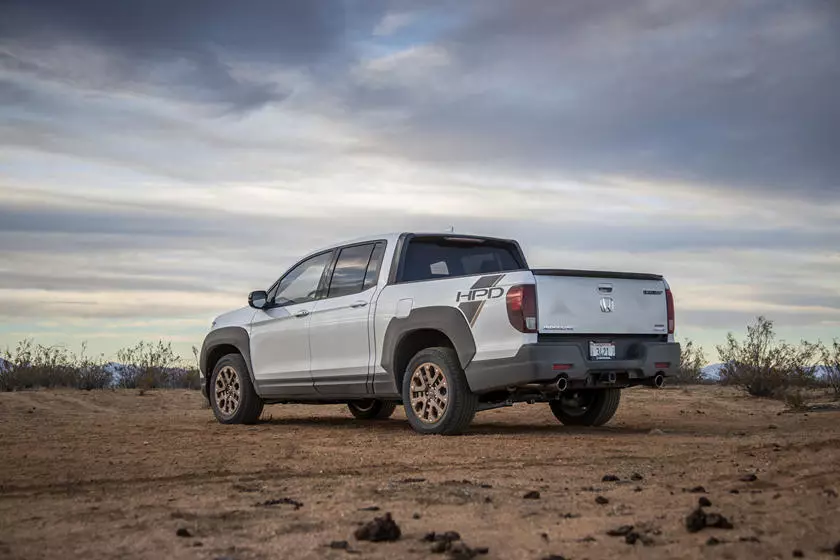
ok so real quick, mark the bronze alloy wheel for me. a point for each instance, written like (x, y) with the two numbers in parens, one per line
(429, 393)
(228, 391)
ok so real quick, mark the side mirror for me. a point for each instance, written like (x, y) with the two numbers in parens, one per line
(258, 299)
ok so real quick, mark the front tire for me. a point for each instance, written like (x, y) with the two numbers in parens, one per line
(436, 396)
(594, 407)
(372, 409)
(232, 395)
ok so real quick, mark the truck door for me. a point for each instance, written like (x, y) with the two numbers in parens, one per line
(339, 328)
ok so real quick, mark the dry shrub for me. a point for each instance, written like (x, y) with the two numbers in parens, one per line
(831, 367)
(143, 366)
(765, 367)
(692, 360)
(32, 366)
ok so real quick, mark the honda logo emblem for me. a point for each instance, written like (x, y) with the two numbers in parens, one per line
(607, 304)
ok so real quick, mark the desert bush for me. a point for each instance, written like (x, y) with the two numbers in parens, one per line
(830, 357)
(765, 367)
(34, 365)
(146, 365)
(692, 360)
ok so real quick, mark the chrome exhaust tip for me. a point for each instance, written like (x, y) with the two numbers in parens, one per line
(562, 384)
(659, 381)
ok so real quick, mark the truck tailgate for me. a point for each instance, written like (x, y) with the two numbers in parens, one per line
(594, 302)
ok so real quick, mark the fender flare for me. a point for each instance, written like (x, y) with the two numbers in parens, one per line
(448, 320)
(232, 336)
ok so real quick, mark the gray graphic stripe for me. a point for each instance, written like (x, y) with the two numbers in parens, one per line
(472, 309)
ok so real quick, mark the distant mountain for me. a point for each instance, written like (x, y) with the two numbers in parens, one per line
(712, 372)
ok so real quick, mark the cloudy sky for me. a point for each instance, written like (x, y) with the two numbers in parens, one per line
(160, 159)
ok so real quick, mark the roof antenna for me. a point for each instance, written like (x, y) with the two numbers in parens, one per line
(451, 229)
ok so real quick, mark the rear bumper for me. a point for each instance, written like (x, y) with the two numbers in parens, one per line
(535, 363)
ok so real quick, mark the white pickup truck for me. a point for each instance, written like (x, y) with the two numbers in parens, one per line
(445, 324)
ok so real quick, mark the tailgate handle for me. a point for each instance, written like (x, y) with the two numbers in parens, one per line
(605, 288)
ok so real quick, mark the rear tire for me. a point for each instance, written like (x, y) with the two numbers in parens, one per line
(586, 408)
(372, 409)
(232, 395)
(436, 396)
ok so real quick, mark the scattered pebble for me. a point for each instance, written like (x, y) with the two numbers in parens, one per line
(601, 500)
(734, 491)
(749, 478)
(698, 520)
(631, 538)
(532, 495)
(698, 490)
(554, 557)
(442, 537)
(268, 503)
(378, 530)
(713, 541)
(183, 532)
(798, 554)
(411, 480)
(416, 516)
(656, 432)
(450, 542)
(704, 502)
(339, 545)
(588, 539)
(620, 531)
(637, 489)
(369, 508)
(636, 477)
(750, 539)
(610, 478)
(718, 521)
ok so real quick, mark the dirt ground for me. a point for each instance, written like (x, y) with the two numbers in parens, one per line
(114, 474)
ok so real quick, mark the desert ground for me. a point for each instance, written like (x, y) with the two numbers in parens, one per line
(116, 474)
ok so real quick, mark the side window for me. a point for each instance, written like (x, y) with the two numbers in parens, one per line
(350, 268)
(372, 274)
(301, 283)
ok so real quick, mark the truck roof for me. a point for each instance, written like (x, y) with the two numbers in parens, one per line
(394, 236)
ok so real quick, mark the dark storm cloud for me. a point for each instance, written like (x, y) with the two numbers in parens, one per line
(182, 47)
(735, 94)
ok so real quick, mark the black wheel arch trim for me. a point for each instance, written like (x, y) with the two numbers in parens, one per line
(448, 320)
(227, 336)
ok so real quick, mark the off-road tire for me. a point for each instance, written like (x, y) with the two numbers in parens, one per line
(250, 405)
(461, 404)
(601, 409)
(372, 410)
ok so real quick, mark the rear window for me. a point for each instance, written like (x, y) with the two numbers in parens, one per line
(432, 258)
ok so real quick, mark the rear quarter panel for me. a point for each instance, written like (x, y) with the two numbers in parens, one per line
(480, 298)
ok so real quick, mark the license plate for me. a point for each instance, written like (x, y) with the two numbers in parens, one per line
(601, 350)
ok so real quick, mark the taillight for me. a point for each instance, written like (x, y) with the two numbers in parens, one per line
(522, 308)
(669, 297)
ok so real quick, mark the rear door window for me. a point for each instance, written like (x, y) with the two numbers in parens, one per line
(350, 270)
(375, 265)
(431, 258)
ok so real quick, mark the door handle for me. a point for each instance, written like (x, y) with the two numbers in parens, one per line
(302, 313)
(358, 304)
